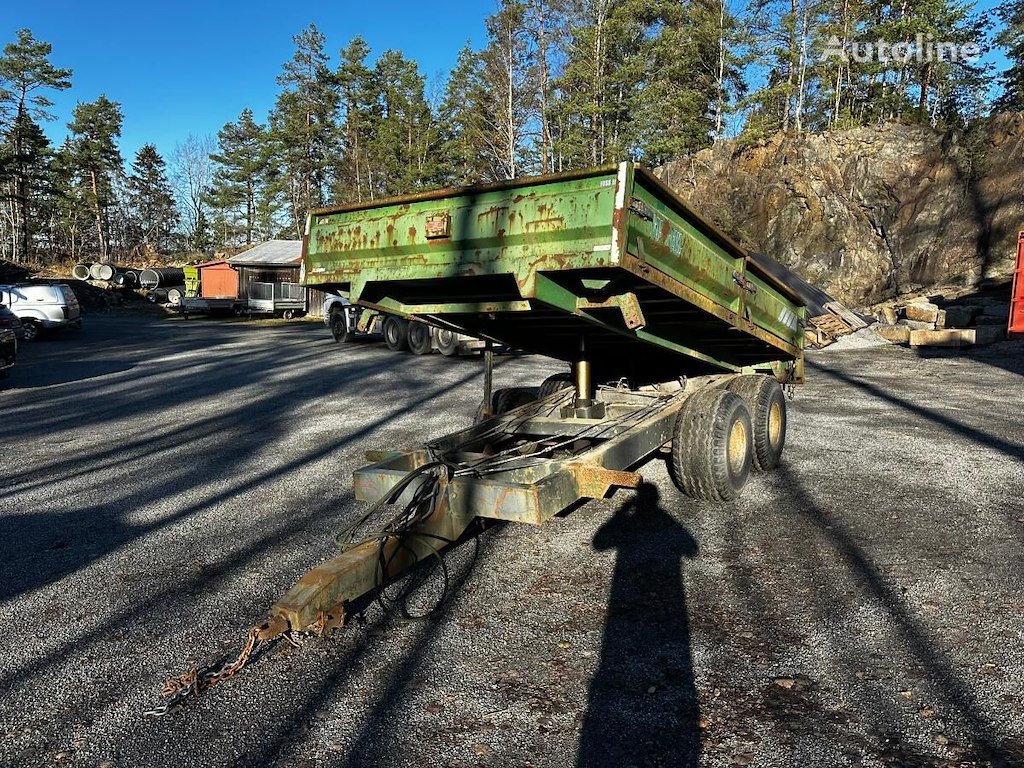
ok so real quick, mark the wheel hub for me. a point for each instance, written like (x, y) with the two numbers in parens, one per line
(775, 423)
(737, 451)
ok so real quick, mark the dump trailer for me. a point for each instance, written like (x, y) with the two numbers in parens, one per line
(349, 322)
(676, 345)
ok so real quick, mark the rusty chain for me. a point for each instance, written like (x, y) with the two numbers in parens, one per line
(178, 690)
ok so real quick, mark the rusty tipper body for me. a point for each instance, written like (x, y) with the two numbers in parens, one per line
(609, 254)
(676, 343)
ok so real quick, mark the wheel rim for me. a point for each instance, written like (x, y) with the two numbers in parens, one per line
(30, 331)
(775, 423)
(737, 450)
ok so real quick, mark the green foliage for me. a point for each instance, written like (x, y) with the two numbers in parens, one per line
(356, 90)
(25, 75)
(302, 125)
(241, 184)
(467, 126)
(827, 71)
(95, 129)
(404, 146)
(152, 201)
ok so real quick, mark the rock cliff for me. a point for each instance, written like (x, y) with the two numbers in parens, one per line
(870, 213)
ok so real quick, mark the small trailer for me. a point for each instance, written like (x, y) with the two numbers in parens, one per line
(676, 345)
(210, 288)
(285, 300)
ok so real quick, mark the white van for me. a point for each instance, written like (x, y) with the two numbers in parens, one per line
(42, 307)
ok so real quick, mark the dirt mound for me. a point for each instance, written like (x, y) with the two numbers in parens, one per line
(13, 273)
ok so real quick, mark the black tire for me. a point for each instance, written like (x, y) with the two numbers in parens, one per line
(711, 446)
(396, 334)
(555, 383)
(505, 400)
(447, 342)
(339, 325)
(767, 407)
(30, 329)
(288, 314)
(420, 342)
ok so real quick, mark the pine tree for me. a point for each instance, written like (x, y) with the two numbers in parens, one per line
(357, 101)
(606, 53)
(784, 31)
(241, 174)
(303, 124)
(25, 181)
(95, 129)
(154, 212)
(469, 150)
(691, 76)
(583, 110)
(67, 209)
(405, 141)
(25, 74)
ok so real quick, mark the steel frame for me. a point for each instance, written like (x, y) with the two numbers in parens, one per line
(592, 457)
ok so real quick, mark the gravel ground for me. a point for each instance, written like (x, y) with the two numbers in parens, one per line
(165, 480)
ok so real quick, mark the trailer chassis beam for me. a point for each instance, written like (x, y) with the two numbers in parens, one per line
(529, 490)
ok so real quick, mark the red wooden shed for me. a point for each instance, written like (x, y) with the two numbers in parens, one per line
(218, 280)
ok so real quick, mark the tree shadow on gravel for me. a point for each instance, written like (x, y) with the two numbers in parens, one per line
(957, 696)
(985, 439)
(643, 706)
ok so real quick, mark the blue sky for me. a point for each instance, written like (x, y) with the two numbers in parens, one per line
(189, 67)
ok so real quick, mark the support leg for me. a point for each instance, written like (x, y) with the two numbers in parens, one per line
(486, 412)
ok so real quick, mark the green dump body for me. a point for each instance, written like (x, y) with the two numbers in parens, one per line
(608, 258)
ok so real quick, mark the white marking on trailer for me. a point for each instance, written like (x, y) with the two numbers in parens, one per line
(789, 319)
(620, 203)
(605, 247)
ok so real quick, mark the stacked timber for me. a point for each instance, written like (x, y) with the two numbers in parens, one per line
(923, 323)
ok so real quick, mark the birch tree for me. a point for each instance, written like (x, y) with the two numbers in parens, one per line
(192, 171)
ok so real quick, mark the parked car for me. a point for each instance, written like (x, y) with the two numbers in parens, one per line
(42, 307)
(10, 325)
